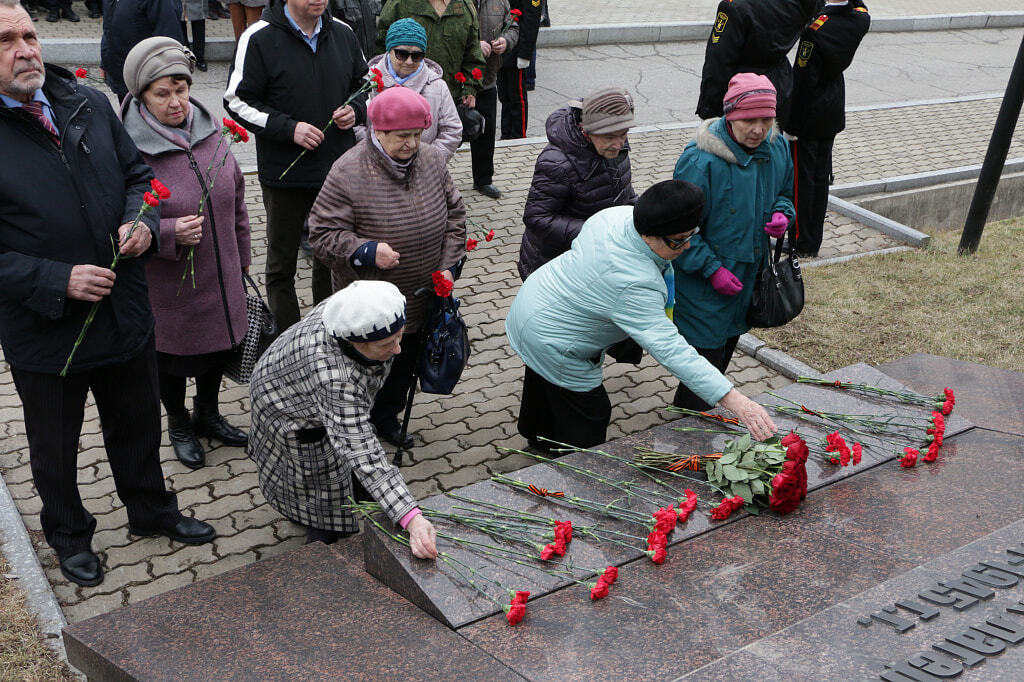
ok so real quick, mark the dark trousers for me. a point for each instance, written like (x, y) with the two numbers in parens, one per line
(719, 357)
(482, 148)
(172, 390)
(514, 105)
(287, 210)
(126, 397)
(392, 396)
(812, 165)
(548, 410)
(57, 5)
(198, 42)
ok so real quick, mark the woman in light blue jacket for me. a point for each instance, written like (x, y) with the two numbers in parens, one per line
(609, 286)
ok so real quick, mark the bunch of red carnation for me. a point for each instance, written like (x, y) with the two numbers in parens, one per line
(727, 506)
(935, 432)
(377, 78)
(599, 590)
(159, 193)
(235, 131)
(516, 608)
(563, 536)
(947, 405)
(909, 457)
(442, 287)
(841, 453)
(665, 520)
(688, 507)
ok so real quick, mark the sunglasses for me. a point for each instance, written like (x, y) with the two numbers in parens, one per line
(403, 55)
(675, 244)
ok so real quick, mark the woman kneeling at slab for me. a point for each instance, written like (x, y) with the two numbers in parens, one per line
(609, 286)
(311, 435)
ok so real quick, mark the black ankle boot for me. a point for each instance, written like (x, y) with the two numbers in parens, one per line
(206, 421)
(183, 440)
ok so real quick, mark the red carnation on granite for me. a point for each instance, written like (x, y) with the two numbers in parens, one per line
(665, 520)
(547, 552)
(909, 457)
(657, 554)
(598, 590)
(686, 508)
(610, 575)
(785, 494)
(519, 596)
(947, 406)
(933, 452)
(727, 506)
(857, 452)
(564, 528)
(514, 613)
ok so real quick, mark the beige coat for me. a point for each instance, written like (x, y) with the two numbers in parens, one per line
(418, 212)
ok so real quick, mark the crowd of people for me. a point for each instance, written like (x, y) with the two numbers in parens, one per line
(605, 271)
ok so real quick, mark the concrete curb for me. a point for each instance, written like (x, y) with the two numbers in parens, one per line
(76, 52)
(781, 362)
(879, 222)
(902, 183)
(17, 549)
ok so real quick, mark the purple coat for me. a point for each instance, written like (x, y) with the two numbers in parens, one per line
(212, 316)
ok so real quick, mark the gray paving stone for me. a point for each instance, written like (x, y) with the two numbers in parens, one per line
(158, 586)
(245, 540)
(204, 571)
(180, 560)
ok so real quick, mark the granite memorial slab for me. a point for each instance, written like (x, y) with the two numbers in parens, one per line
(308, 614)
(990, 397)
(959, 616)
(719, 594)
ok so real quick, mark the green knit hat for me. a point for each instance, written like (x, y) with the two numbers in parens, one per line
(406, 32)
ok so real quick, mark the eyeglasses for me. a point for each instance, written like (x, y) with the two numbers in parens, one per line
(675, 244)
(403, 55)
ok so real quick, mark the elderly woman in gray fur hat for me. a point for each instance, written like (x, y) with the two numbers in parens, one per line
(312, 439)
(196, 326)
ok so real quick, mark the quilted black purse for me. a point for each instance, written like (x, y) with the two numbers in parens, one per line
(778, 294)
(445, 349)
(262, 331)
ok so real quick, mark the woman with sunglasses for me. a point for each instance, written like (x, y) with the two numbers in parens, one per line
(742, 164)
(405, 64)
(612, 284)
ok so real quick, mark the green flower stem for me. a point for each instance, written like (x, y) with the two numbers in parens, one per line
(509, 555)
(800, 414)
(908, 397)
(143, 209)
(733, 428)
(610, 509)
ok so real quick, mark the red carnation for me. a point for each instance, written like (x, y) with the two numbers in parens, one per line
(471, 244)
(520, 597)
(547, 552)
(560, 546)
(611, 574)
(657, 555)
(151, 199)
(857, 451)
(514, 613)
(656, 539)
(909, 457)
(598, 591)
(665, 520)
(947, 406)
(477, 74)
(81, 73)
(844, 456)
(785, 494)
(516, 14)
(565, 528)
(242, 133)
(933, 452)
(442, 287)
(160, 189)
(460, 77)
(796, 448)
(789, 439)
(490, 236)
(725, 509)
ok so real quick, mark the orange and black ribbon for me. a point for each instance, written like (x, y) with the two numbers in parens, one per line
(693, 462)
(544, 492)
(810, 411)
(720, 418)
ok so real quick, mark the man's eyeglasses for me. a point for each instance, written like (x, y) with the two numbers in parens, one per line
(675, 244)
(403, 55)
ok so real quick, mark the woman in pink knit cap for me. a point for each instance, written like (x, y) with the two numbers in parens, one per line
(390, 211)
(742, 164)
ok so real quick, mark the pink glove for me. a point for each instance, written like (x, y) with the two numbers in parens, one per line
(726, 283)
(776, 227)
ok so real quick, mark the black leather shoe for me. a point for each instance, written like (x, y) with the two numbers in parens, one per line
(53, 17)
(188, 530)
(183, 440)
(201, 65)
(206, 421)
(70, 15)
(488, 191)
(82, 569)
(395, 438)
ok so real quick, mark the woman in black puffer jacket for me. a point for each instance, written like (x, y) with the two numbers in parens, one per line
(584, 169)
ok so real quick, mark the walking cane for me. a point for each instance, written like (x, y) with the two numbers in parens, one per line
(397, 459)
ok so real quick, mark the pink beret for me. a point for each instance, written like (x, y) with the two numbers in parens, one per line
(750, 95)
(399, 108)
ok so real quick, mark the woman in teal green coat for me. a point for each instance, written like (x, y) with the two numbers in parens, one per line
(742, 164)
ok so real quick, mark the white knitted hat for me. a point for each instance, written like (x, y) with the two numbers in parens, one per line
(365, 310)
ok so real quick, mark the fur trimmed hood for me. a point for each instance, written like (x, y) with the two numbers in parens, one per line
(713, 138)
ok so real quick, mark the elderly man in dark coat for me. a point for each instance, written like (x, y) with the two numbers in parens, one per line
(75, 191)
(311, 433)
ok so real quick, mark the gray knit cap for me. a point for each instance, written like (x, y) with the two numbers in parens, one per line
(155, 58)
(607, 110)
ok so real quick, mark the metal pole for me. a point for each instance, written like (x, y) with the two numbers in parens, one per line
(995, 157)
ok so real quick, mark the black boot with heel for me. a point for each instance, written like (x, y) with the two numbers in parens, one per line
(207, 421)
(183, 440)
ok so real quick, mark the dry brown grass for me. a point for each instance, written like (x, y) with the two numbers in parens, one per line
(23, 655)
(879, 308)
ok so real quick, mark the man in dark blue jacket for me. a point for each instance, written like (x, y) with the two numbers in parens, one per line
(292, 72)
(752, 36)
(826, 49)
(72, 193)
(128, 22)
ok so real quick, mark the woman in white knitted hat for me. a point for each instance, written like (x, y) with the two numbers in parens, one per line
(311, 436)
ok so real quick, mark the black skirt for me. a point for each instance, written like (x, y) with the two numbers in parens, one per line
(575, 418)
(191, 365)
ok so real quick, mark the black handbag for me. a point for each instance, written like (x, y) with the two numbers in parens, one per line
(445, 349)
(262, 331)
(778, 294)
(473, 123)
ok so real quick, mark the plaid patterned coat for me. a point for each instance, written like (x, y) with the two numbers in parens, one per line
(311, 430)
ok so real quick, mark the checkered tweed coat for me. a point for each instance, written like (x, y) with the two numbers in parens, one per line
(311, 430)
